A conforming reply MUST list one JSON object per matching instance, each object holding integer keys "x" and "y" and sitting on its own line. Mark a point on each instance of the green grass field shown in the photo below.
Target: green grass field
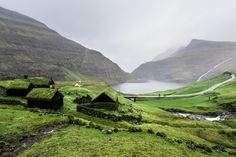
{"x": 80, "y": 141}
{"x": 18, "y": 122}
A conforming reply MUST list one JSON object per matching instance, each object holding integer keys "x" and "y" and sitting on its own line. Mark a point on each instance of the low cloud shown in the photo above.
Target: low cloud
{"x": 131, "y": 32}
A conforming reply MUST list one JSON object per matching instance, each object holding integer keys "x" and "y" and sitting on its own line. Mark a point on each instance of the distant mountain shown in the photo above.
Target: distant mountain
{"x": 168, "y": 53}
{"x": 188, "y": 64}
{"x": 28, "y": 47}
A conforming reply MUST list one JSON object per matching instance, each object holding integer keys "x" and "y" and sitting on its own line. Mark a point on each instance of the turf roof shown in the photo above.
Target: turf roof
{"x": 110, "y": 93}
{"x": 39, "y": 80}
{"x": 15, "y": 84}
{"x": 42, "y": 94}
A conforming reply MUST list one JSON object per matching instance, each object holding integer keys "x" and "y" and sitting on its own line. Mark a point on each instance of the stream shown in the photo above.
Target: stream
{"x": 28, "y": 142}
{"x": 223, "y": 116}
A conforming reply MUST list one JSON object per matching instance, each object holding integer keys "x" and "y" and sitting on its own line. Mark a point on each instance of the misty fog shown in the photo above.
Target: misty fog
{"x": 131, "y": 32}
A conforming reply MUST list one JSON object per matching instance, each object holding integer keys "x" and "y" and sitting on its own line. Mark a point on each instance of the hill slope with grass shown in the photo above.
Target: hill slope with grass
{"x": 158, "y": 133}
{"x": 28, "y": 47}
{"x": 189, "y": 63}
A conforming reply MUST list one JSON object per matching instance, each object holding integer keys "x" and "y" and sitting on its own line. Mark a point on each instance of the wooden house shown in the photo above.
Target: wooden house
{"x": 45, "y": 98}
{"x": 17, "y": 87}
{"x": 108, "y": 99}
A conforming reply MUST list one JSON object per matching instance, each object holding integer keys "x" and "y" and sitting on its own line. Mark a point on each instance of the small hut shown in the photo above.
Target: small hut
{"x": 108, "y": 99}
{"x": 45, "y": 98}
{"x": 83, "y": 99}
{"x": 42, "y": 82}
{"x": 17, "y": 87}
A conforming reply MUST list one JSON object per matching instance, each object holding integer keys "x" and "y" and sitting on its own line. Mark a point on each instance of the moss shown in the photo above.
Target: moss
{"x": 111, "y": 93}
{"x": 39, "y": 80}
{"x": 41, "y": 94}
{"x": 15, "y": 84}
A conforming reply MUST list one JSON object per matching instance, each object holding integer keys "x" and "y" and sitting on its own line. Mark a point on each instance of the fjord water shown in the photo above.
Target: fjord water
{"x": 146, "y": 87}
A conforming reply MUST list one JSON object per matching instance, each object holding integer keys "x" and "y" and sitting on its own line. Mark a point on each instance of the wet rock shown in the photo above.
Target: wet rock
{"x": 4, "y": 146}
{"x": 98, "y": 127}
{"x": 138, "y": 123}
{"x": 92, "y": 125}
{"x": 79, "y": 122}
{"x": 178, "y": 140}
{"x": 170, "y": 140}
{"x": 232, "y": 153}
{"x": 150, "y": 131}
{"x": 116, "y": 130}
{"x": 219, "y": 148}
{"x": 190, "y": 144}
{"x": 204, "y": 147}
{"x": 108, "y": 131}
{"x": 134, "y": 129}
{"x": 161, "y": 134}
{"x": 71, "y": 119}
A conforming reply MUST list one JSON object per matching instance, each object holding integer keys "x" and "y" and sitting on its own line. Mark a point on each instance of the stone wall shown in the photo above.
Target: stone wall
{"x": 94, "y": 113}
{"x": 10, "y": 102}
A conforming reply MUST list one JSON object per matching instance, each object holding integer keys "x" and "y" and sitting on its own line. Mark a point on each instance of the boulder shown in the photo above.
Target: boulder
{"x": 204, "y": 147}
{"x": 134, "y": 129}
{"x": 190, "y": 144}
{"x": 178, "y": 140}
{"x": 116, "y": 130}
{"x": 150, "y": 131}
{"x": 108, "y": 131}
{"x": 71, "y": 119}
{"x": 219, "y": 148}
{"x": 232, "y": 153}
{"x": 161, "y": 134}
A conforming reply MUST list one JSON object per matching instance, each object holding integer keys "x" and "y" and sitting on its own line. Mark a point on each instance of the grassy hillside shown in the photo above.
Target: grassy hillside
{"x": 28, "y": 47}
{"x": 195, "y": 87}
{"x": 159, "y": 133}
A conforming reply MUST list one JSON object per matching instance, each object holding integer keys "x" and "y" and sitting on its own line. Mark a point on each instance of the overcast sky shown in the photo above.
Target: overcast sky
{"x": 131, "y": 32}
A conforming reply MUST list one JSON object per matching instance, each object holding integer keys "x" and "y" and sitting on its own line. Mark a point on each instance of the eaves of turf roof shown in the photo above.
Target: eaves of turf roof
{"x": 41, "y": 94}
{"x": 39, "y": 80}
{"x": 15, "y": 84}
{"x": 110, "y": 93}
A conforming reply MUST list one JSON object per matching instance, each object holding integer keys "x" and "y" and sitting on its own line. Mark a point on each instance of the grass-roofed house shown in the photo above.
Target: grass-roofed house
{"x": 108, "y": 99}
{"x": 45, "y": 98}
{"x": 17, "y": 87}
{"x": 42, "y": 82}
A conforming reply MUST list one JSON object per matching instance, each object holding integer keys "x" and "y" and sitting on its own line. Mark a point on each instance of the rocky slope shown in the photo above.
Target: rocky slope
{"x": 166, "y": 54}
{"x": 28, "y": 47}
{"x": 191, "y": 62}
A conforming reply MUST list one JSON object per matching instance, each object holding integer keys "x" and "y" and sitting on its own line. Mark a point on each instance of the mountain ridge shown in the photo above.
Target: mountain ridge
{"x": 191, "y": 62}
{"x": 29, "y": 47}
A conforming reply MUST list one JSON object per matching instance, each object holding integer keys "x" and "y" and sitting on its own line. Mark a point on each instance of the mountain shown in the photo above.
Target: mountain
{"x": 198, "y": 58}
{"x": 166, "y": 54}
{"x": 28, "y": 47}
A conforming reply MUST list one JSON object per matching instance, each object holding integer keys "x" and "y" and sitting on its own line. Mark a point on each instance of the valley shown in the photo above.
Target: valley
{"x": 59, "y": 98}
{"x": 156, "y": 132}
{"x": 200, "y": 59}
